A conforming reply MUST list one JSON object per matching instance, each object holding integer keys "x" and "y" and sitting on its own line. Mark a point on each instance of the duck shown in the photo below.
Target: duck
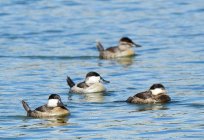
{"x": 53, "y": 108}
{"x": 156, "y": 94}
{"x": 93, "y": 83}
{"x": 123, "y": 49}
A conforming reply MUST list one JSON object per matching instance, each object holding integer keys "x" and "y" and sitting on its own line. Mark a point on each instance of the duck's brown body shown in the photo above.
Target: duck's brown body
{"x": 161, "y": 98}
{"x": 156, "y": 94}
{"x": 46, "y": 111}
{"x": 115, "y": 52}
{"x": 52, "y": 112}
{"x": 124, "y": 49}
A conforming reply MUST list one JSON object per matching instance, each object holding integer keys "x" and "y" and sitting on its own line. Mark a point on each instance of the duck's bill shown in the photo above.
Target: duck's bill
{"x": 105, "y": 81}
{"x": 137, "y": 45}
{"x": 60, "y": 103}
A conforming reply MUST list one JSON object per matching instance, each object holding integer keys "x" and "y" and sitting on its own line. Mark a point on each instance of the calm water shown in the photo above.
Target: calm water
{"x": 41, "y": 42}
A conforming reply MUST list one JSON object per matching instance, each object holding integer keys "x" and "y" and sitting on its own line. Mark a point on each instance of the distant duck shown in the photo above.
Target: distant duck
{"x": 156, "y": 94}
{"x": 93, "y": 83}
{"x": 54, "y": 107}
{"x": 125, "y": 48}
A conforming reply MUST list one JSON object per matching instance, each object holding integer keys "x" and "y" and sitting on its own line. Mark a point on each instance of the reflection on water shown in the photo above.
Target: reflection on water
{"x": 49, "y": 121}
{"x": 125, "y": 61}
{"x": 94, "y": 97}
{"x": 60, "y": 121}
{"x": 88, "y": 97}
{"x": 152, "y": 107}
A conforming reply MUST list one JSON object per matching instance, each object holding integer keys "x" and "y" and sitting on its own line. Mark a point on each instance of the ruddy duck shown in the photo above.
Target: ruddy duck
{"x": 92, "y": 83}
{"x": 125, "y": 48}
{"x": 156, "y": 94}
{"x": 54, "y": 107}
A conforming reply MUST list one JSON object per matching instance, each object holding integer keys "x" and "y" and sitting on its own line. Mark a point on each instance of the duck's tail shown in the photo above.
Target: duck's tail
{"x": 26, "y": 107}
{"x": 99, "y": 46}
{"x": 70, "y": 82}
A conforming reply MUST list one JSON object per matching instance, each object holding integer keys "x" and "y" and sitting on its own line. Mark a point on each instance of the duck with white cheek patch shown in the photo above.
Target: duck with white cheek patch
{"x": 156, "y": 94}
{"x": 93, "y": 83}
{"x": 54, "y": 107}
{"x": 124, "y": 49}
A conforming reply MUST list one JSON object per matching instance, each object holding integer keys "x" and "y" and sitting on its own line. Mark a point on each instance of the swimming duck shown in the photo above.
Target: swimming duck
{"x": 125, "y": 48}
{"x": 156, "y": 94}
{"x": 92, "y": 83}
{"x": 54, "y": 107}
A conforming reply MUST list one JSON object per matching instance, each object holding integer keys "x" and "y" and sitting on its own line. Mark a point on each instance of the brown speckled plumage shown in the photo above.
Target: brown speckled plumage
{"x": 124, "y": 49}
{"x": 147, "y": 97}
{"x": 45, "y": 111}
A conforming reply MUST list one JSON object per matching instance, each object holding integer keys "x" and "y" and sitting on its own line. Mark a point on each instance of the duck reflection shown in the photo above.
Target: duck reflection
{"x": 45, "y": 122}
{"x": 88, "y": 97}
{"x": 147, "y": 107}
{"x": 94, "y": 97}
{"x": 125, "y": 61}
{"x": 59, "y": 121}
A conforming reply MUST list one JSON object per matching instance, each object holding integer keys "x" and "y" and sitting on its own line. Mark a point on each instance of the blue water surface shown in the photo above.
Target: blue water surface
{"x": 42, "y": 42}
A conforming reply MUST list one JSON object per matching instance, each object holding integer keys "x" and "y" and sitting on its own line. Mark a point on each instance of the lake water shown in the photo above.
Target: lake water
{"x": 41, "y": 42}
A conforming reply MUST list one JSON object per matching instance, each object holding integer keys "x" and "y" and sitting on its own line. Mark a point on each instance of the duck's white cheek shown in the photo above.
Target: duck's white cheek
{"x": 93, "y": 79}
{"x": 157, "y": 91}
{"x": 52, "y": 102}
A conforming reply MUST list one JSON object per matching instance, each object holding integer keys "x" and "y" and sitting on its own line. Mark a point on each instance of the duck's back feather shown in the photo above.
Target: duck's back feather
{"x": 48, "y": 112}
{"x": 44, "y": 108}
{"x": 147, "y": 98}
{"x": 143, "y": 95}
{"x": 82, "y": 85}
